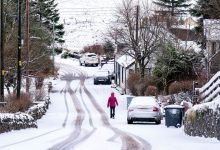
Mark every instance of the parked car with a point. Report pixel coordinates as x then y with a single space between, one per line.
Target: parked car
102 77
109 67
89 59
144 108
64 55
74 55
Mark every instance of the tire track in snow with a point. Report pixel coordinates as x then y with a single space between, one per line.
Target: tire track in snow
73 139
128 142
79 117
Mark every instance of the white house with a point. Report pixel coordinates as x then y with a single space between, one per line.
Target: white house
124 65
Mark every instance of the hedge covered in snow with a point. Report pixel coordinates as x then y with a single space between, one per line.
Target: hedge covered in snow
16 121
39 109
20 120
203 120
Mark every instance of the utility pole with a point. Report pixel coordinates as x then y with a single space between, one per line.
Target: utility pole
136 34
19 63
53 48
27 45
2 52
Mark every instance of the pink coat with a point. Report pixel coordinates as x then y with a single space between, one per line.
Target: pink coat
112 101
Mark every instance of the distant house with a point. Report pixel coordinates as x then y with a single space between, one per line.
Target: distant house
185 31
212 34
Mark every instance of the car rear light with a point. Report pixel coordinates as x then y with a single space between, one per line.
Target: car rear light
155 109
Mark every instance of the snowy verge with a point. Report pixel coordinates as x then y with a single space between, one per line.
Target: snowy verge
20 120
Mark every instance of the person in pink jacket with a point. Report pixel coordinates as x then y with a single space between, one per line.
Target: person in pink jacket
112 102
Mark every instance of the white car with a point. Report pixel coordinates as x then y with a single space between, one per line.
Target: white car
144 108
89 59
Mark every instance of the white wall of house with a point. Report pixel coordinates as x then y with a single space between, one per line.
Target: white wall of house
123 66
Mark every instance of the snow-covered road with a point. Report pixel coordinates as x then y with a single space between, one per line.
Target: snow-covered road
95 130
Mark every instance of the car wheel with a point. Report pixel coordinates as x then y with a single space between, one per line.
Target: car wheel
129 121
158 121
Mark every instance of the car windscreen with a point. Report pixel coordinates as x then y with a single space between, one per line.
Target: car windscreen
91 55
139 102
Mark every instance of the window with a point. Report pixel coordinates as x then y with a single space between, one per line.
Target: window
122 74
213 48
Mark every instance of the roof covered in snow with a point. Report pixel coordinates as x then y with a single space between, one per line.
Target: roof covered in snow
125 60
212 29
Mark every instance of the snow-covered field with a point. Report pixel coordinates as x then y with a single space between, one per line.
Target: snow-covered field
85 21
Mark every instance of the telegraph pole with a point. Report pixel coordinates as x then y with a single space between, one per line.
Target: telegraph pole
53 48
136 34
27 45
2 52
19 63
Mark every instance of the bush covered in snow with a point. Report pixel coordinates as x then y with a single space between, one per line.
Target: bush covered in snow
203 120
39 109
16 121
21 120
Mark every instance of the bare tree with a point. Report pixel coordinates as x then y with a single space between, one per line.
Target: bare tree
139 31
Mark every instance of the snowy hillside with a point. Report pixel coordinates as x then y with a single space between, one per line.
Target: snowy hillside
85 21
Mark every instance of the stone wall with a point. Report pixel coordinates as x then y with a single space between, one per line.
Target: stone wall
203 122
22 120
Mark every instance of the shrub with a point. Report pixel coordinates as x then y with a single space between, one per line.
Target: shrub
151 90
138 86
133 79
15 105
180 86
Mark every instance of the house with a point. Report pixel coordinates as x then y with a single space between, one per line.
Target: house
212 35
124 65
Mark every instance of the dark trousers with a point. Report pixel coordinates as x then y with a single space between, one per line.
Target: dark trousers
112 112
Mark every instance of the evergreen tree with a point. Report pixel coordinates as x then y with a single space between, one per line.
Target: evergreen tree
174 6
109 49
175 65
49 17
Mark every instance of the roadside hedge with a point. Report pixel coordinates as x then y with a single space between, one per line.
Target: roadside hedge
203 121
